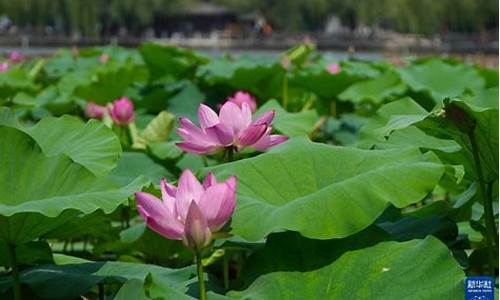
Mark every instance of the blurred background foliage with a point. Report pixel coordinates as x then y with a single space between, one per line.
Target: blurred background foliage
101 17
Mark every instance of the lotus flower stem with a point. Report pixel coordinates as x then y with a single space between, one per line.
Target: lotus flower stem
229 155
485 191
225 269
201 281
125 216
15 272
100 290
285 91
333 108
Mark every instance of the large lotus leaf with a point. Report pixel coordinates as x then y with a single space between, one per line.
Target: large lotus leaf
111 83
153 246
360 68
289 251
149 290
98 225
290 124
59 65
316 79
71 81
261 77
374 90
490 76
320 82
159 288
45 281
170 61
186 102
134 164
65 63
440 79
90 144
480 111
417 269
34 186
132 289
24 227
485 134
27 254
166 150
325 191
408 228
380 131
14 81
56 102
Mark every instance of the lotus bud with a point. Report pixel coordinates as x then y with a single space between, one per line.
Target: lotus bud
94 111
121 111
241 97
197 233
16 57
4 67
333 68
104 58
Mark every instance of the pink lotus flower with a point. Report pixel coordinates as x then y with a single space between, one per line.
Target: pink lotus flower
241 97
333 68
233 127
191 212
104 58
94 111
121 111
4 67
16 56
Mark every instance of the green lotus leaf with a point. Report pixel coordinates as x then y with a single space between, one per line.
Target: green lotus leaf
290 124
110 83
417 269
262 77
45 281
374 90
90 144
134 164
404 122
15 80
163 61
317 80
34 186
308 187
289 251
440 79
186 102
391 127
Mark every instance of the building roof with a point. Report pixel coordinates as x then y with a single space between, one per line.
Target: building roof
204 8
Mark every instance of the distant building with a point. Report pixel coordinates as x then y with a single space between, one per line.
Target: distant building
202 18
334 25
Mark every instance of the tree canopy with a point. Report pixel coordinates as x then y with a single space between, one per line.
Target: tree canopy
98 17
